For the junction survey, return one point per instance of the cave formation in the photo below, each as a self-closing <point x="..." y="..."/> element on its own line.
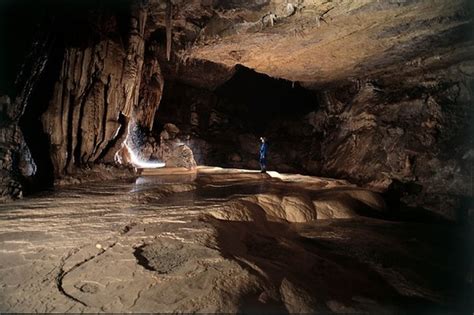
<point x="129" y="135"/>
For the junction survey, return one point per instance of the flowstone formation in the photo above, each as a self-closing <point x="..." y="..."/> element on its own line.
<point x="87" y="83"/>
<point x="98" y="92"/>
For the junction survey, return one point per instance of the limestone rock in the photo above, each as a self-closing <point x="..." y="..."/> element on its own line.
<point x="171" y="131"/>
<point x="325" y="42"/>
<point x="99" y="84"/>
<point x="16" y="163"/>
<point x="172" y="151"/>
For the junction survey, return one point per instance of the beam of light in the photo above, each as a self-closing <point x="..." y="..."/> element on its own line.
<point x="137" y="162"/>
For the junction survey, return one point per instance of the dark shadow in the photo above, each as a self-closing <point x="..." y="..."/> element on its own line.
<point x="36" y="138"/>
<point x="141" y="259"/>
<point x="400" y="211"/>
<point x="362" y="267"/>
<point x="256" y="99"/>
<point x="20" y="20"/>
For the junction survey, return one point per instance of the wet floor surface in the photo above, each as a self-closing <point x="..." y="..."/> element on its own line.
<point x="224" y="242"/>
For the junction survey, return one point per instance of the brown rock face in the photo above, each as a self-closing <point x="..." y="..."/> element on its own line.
<point x="329" y="41"/>
<point x="172" y="151"/>
<point x="79" y="87"/>
<point x="102" y="86"/>
<point x="417" y="133"/>
<point x="15" y="157"/>
<point x="83" y="115"/>
<point x="151" y="89"/>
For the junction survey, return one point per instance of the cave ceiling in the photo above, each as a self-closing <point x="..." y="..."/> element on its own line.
<point x="319" y="42"/>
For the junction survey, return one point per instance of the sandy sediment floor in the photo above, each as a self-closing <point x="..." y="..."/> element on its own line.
<point x="226" y="241"/>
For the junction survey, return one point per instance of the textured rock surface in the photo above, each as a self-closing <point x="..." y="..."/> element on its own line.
<point x="418" y="132"/>
<point x="98" y="84"/>
<point x="327" y="41"/>
<point x="17" y="166"/>
<point x="172" y="151"/>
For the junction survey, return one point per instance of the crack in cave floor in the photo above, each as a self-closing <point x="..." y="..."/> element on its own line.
<point x="225" y="241"/>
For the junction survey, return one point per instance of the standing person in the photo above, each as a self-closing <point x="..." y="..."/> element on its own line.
<point x="263" y="155"/>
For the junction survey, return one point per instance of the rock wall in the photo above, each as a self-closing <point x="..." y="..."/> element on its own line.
<point x="108" y="80"/>
<point x="415" y="135"/>
<point x="16" y="163"/>
<point x="79" y="88"/>
<point x="98" y="84"/>
<point x="17" y="167"/>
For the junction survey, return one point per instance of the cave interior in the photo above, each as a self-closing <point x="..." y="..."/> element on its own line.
<point x="138" y="107"/>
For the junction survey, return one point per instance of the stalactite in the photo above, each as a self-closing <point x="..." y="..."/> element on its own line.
<point x="168" y="22"/>
<point x="151" y="91"/>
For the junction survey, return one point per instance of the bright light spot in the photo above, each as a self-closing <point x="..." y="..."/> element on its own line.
<point x="135" y="160"/>
<point x="139" y="163"/>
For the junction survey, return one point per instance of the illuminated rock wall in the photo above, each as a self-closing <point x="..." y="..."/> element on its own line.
<point x="103" y="86"/>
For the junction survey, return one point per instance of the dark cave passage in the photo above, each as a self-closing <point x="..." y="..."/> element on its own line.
<point x="256" y="100"/>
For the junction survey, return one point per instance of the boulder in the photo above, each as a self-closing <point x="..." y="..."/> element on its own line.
<point x="180" y="156"/>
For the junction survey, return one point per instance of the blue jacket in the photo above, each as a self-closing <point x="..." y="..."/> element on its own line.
<point x="263" y="150"/>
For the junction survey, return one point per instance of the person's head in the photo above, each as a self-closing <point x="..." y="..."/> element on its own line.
<point x="262" y="139"/>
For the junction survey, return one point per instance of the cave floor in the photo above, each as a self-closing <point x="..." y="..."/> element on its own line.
<point x="225" y="241"/>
